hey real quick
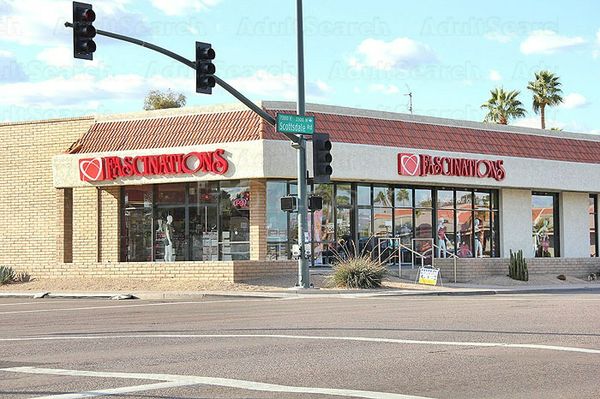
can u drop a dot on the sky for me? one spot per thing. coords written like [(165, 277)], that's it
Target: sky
[(449, 55)]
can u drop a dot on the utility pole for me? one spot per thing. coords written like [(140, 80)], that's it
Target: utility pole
[(410, 100), (303, 272)]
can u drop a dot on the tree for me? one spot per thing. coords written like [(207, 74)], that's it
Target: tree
[(546, 92), (157, 99), (503, 106)]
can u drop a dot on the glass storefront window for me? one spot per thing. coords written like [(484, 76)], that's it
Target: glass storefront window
[(137, 241), (343, 230), (464, 234), (276, 218), (544, 211), (445, 199), (383, 196), (363, 194), (365, 233), (403, 197), (464, 199), (171, 194), (204, 193), (482, 234), (423, 198), (235, 220), (324, 226), (343, 195), (445, 235), (482, 200), (423, 232), (186, 221), (382, 222)]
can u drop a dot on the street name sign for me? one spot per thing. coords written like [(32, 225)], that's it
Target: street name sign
[(295, 124)]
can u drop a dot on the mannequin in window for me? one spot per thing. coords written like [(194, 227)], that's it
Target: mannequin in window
[(478, 239), (169, 239), (442, 239)]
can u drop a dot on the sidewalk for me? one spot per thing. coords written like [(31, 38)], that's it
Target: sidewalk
[(394, 287)]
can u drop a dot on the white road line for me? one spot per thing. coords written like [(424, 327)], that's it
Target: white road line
[(312, 337), (130, 306), (118, 391), (184, 380)]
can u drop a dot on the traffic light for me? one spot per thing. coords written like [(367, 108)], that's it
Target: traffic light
[(315, 202), (205, 69), (322, 158), (289, 203), (83, 31)]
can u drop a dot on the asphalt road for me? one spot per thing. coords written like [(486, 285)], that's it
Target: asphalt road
[(501, 346)]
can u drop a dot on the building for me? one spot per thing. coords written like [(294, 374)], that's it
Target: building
[(194, 193)]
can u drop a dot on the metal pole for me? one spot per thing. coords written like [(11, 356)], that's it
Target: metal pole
[(303, 273)]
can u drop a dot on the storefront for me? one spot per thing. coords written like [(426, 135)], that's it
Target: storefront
[(195, 194)]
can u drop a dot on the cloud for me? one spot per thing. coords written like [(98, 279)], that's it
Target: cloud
[(85, 91), (62, 57), (318, 89), (384, 89), (400, 53), (45, 26), (548, 42), (499, 37), (574, 100), (535, 122), (596, 52), (180, 7), (266, 84), (10, 69), (495, 75)]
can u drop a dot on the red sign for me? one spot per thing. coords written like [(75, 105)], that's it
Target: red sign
[(424, 165), (111, 168)]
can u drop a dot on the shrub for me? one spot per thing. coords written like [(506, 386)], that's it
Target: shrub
[(517, 269), (7, 275), (358, 272), (22, 277)]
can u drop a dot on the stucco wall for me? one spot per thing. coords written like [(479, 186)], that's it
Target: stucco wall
[(515, 222), (353, 162), (574, 225)]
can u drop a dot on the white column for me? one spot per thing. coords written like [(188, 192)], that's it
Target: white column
[(515, 222), (574, 225)]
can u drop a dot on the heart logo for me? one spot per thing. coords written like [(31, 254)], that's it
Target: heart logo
[(409, 164), (91, 169)]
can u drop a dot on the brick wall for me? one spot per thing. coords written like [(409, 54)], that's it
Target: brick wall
[(230, 271), (469, 269), (109, 229), (32, 230), (258, 219)]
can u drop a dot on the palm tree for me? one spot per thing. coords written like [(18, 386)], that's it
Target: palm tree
[(502, 106), (546, 92)]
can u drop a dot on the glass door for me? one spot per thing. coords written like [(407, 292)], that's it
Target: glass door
[(204, 235)]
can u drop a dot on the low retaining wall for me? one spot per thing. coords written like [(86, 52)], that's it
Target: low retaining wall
[(470, 269), (229, 271)]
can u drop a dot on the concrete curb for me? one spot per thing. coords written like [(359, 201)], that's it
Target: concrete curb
[(296, 293)]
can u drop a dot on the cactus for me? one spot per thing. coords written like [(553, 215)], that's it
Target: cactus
[(517, 268), (7, 275)]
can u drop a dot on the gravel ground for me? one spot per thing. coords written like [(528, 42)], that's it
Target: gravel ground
[(318, 278)]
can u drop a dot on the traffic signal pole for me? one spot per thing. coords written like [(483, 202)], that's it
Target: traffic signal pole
[(298, 141), (303, 273), (243, 99)]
